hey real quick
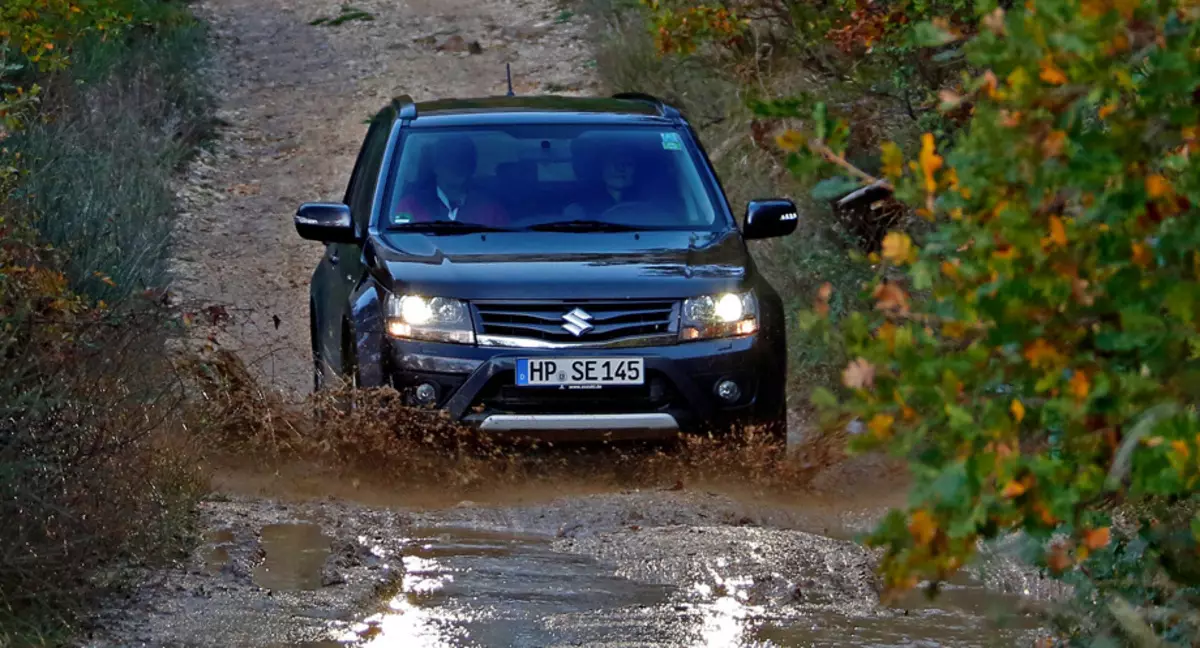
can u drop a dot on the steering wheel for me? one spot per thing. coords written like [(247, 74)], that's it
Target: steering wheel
[(631, 210)]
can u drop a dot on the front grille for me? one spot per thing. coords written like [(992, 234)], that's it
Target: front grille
[(610, 320)]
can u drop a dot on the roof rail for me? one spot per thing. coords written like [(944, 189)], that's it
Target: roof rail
[(405, 107), (642, 96)]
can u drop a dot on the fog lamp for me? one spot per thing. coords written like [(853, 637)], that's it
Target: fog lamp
[(728, 391), (425, 394)]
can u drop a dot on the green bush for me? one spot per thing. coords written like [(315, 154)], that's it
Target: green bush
[(1044, 381), (1032, 350), (95, 473)]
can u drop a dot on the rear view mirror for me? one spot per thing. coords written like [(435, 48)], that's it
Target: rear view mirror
[(325, 222), (770, 218)]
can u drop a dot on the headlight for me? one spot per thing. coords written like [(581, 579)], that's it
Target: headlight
[(438, 319), (716, 316)]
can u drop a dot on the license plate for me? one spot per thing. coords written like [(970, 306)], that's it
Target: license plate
[(554, 372)]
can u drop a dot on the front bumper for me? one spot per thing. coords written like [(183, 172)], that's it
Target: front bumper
[(475, 385)]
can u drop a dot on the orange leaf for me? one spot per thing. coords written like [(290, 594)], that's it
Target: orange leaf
[(922, 527), (929, 161), (1157, 186), (1141, 255), (890, 297), (1096, 538), (1058, 233), (1018, 410), (1080, 386), (1107, 109), (881, 425), (1054, 143), (950, 269), (1050, 72), (1058, 560), (859, 374), (1042, 354), (1014, 489)]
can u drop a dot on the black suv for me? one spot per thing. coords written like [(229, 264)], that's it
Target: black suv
[(555, 265)]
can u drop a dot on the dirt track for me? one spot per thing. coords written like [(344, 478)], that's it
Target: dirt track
[(296, 556)]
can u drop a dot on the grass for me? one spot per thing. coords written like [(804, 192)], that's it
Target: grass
[(96, 475)]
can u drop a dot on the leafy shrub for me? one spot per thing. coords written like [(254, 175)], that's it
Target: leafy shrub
[(1044, 378), (1033, 350), (95, 473)]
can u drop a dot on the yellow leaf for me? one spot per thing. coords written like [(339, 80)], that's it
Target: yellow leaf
[(897, 246), (954, 330), (1095, 539), (922, 527), (930, 162), (1018, 410), (881, 425), (893, 160), (1181, 448), (887, 333), (1050, 72), (1126, 7), (1014, 489), (1107, 109), (859, 374), (790, 140), (1157, 186), (1058, 233), (1080, 385), (950, 269)]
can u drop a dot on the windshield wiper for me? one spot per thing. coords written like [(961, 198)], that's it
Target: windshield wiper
[(448, 227), (584, 226)]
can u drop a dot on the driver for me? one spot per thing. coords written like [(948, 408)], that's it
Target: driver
[(452, 195), (614, 186)]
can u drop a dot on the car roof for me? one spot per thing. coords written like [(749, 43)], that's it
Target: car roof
[(539, 109)]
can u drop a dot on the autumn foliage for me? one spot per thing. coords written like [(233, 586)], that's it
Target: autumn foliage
[(1035, 355)]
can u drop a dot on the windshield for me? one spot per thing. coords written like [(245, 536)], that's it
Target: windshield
[(551, 177)]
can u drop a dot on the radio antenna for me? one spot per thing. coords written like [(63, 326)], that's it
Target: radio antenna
[(508, 72)]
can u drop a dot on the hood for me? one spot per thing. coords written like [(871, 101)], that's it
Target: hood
[(560, 265)]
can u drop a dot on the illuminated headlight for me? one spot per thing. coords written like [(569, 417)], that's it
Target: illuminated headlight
[(437, 319), (717, 316)]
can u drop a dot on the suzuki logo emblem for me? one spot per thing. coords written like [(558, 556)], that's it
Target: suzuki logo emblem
[(577, 322)]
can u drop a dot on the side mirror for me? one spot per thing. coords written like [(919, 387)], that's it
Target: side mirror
[(325, 222), (770, 218)]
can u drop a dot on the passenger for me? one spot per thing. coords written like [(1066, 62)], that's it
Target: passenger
[(451, 194)]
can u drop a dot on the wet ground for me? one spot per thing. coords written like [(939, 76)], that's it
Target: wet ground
[(696, 550), (585, 563)]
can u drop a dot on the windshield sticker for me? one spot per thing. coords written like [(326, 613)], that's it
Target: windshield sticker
[(672, 142), (401, 218)]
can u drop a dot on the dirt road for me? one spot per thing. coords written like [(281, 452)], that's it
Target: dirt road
[(579, 551)]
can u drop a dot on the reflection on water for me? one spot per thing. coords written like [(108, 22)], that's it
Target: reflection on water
[(295, 557), (472, 588)]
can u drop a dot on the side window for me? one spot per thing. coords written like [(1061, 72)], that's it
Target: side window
[(366, 174)]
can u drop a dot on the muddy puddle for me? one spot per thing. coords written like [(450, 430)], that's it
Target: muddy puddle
[(472, 587), (295, 557)]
